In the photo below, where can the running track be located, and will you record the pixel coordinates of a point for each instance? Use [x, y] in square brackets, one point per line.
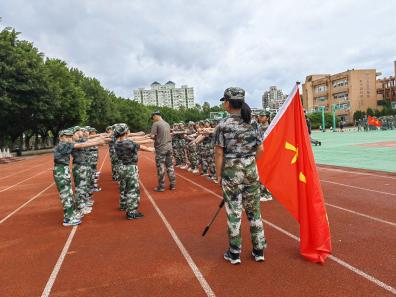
[164, 253]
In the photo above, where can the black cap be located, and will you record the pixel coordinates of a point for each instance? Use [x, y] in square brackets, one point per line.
[157, 112]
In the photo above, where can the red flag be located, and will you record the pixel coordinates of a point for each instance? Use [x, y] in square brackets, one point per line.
[287, 168]
[374, 121]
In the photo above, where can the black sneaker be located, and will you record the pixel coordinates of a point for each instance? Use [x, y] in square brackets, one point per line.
[159, 189]
[233, 258]
[172, 187]
[134, 215]
[258, 255]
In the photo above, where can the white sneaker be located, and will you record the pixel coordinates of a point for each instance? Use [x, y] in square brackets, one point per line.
[87, 210]
[184, 167]
[71, 222]
[190, 169]
[195, 171]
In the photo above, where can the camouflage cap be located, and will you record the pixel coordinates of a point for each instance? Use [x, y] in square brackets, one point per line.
[109, 128]
[92, 129]
[75, 129]
[157, 112]
[191, 123]
[120, 129]
[66, 132]
[233, 93]
[264, 113]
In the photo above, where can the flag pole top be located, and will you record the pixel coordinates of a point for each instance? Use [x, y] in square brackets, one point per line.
[298, 83]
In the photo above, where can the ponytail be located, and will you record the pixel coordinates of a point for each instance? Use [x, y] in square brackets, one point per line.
[246, 113]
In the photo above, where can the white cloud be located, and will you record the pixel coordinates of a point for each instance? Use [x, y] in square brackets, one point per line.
[209, 44]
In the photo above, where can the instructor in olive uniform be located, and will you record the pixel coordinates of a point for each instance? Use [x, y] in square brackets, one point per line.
[161, 133]
[237, 145]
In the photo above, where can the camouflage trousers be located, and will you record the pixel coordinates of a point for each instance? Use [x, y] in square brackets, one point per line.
[81, 180]
[165, 163]
[63, 183]
[129, 187]
[193, 156]
[115, 167]
[210, 159]
[264, 192]
[202, 155]
[179, 153]
[241, 190]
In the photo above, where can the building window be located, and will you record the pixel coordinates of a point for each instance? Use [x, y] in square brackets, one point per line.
[341, 96]
[340, 83]
[320, 89]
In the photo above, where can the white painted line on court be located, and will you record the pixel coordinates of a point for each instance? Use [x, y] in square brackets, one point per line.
[20, 171]
[58, 265]
[24, 180]
[204, 284]
[359, 188]
[357, 173]
[55, 271]
[26, 203]
[337, 260]
[362, 214]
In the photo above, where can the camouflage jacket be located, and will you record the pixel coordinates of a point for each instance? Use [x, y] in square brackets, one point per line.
[127, 152]
[237, 138]
[62, 153]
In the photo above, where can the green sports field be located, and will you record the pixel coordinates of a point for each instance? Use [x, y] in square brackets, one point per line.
[374, 150]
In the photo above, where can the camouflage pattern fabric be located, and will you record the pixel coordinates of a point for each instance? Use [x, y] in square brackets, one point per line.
[62, 153]
[193, 156]
[241, 190]
[80, 176]
[202, 157]
[62, 179]
[165, 163]
[115, 163]
[129, 187]
[239, 139]
[210, 159]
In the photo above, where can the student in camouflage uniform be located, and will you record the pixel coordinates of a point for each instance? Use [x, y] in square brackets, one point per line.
[237, 144]
[94, 151]
[127, 152]
[112, 153]
[81, 171]
[263, 123]
[192, 148]
[176, 145]
[62, 174]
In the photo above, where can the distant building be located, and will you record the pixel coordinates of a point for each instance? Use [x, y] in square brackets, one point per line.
[386, 89]
[166, 95]
[273, 98]
[347, 91]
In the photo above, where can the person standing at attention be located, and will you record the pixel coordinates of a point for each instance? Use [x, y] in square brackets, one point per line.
[161, 133]
[237, 146]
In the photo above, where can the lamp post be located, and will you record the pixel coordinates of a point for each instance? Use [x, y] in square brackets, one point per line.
[322, 109]
[333, 109]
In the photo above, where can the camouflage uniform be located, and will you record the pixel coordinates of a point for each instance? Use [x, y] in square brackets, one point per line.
[210, 158]
[192, 151]
[176, 147]
[240, 181]
[62, 177]
[81, 171]
[164, 163]
[127, 153]
[115, 163]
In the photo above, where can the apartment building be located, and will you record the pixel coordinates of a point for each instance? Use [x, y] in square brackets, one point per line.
[347, 92]
[166, 95]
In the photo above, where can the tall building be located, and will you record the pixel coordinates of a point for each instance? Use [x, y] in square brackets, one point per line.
[386, 89]
[166, 95]
[273, 98]
[347, 91]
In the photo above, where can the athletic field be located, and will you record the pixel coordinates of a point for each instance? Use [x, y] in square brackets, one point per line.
[164, 254]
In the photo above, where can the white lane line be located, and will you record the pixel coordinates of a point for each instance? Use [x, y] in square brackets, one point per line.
[20, 171]
[337, 260]
[24, 180]
[26, 203]
[201, 279]
[55, 271]
[359, 188]
[58, 265]
[357, 173]
[362, 214]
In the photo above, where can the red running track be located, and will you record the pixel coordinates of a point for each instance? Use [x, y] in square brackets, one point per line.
[163, 254]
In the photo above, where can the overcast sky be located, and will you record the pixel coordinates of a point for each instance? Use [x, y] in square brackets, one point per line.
[209, 45]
